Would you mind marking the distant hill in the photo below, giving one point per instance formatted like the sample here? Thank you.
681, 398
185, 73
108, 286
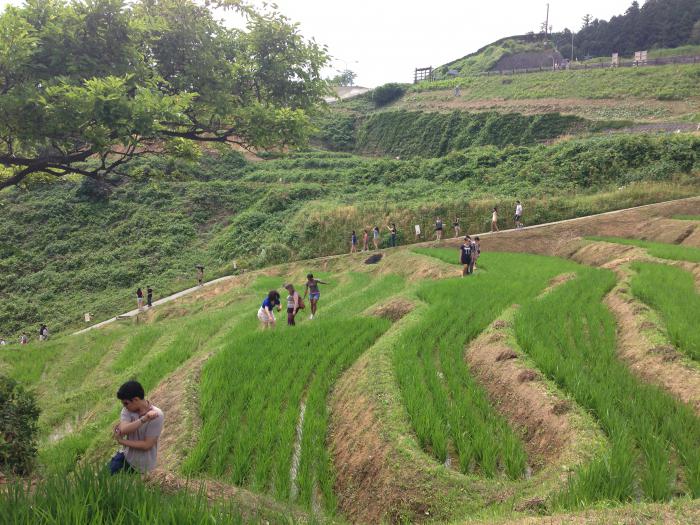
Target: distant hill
656, 24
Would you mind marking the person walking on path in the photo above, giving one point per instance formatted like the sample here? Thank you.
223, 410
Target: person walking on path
518, 215
477, 250
139, 299
353, 242
456, 226
293, 304
149, 297
24, 339
438, 228
473, 249
200, 274
43, 333
465, 255
139, 429
392, 231
314, 293
265, 313
494, 219
2, 342
365, 241
375, 237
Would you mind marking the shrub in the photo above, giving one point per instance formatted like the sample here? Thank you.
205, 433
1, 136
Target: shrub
387, 94
18, 427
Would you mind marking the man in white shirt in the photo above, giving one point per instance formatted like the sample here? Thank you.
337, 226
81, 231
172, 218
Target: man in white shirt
140, 426
518, 214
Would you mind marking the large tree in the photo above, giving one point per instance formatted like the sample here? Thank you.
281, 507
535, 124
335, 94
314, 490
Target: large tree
86, 85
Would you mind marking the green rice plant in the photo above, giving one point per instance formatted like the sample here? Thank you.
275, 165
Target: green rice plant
100, 499
249, 426
671, 292
137, 346
570, 336
686, 217
447, 407
192, 336
661, 250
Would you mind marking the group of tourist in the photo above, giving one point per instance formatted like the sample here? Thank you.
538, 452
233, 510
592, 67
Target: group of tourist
469, 253
24, 338
440, 227
295, 302
139, 297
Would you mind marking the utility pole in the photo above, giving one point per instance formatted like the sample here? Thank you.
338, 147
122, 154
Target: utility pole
572, 46
546, 23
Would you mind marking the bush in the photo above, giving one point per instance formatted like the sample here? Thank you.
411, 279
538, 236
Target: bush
18, 427
387, 94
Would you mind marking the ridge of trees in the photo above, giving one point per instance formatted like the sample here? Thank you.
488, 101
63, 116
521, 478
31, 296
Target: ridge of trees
656, 23
85, 86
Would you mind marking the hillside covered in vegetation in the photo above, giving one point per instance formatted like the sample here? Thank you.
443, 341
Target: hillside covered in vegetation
76, 247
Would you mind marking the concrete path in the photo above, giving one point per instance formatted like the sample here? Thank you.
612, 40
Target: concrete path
134, 313
183, 293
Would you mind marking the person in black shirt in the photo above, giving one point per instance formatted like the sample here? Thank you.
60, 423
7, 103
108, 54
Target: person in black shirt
149, 297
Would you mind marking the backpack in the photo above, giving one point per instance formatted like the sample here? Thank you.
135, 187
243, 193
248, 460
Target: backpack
301, 303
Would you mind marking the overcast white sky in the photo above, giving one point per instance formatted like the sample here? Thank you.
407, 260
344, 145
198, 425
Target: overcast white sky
384, 40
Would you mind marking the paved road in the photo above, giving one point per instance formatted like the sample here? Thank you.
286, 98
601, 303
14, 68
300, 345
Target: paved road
177, 295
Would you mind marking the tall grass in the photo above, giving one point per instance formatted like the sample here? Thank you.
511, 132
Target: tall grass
657, 249
671, 291
93, 498
571, 337
448, 409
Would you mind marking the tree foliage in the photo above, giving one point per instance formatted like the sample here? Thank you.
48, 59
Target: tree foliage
657, 23
86, 85
344, 78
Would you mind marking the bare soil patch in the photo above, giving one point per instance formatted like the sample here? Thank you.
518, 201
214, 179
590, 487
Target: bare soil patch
523, 399
176, 397
394, 309
658, 364
367, 485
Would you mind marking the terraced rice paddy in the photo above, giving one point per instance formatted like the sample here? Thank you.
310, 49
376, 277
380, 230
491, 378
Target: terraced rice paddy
260, 414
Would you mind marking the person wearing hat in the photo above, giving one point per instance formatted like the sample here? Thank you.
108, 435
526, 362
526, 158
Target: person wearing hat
293, 304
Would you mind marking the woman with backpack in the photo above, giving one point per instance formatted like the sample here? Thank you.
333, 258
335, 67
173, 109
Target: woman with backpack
265, 313
294, 304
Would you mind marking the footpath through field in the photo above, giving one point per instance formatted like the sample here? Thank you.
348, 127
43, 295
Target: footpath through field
188, 291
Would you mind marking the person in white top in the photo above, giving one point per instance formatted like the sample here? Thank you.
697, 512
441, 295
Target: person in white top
494, 219
518, 214
138, 431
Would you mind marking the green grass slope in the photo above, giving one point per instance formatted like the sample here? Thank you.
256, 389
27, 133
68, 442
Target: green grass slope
68, 249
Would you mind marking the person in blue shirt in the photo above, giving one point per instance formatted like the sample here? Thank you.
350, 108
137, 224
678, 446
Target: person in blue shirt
353, 242
265, 313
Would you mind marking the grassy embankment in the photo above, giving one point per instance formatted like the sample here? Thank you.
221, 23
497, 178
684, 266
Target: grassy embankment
671, 82
67, 250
